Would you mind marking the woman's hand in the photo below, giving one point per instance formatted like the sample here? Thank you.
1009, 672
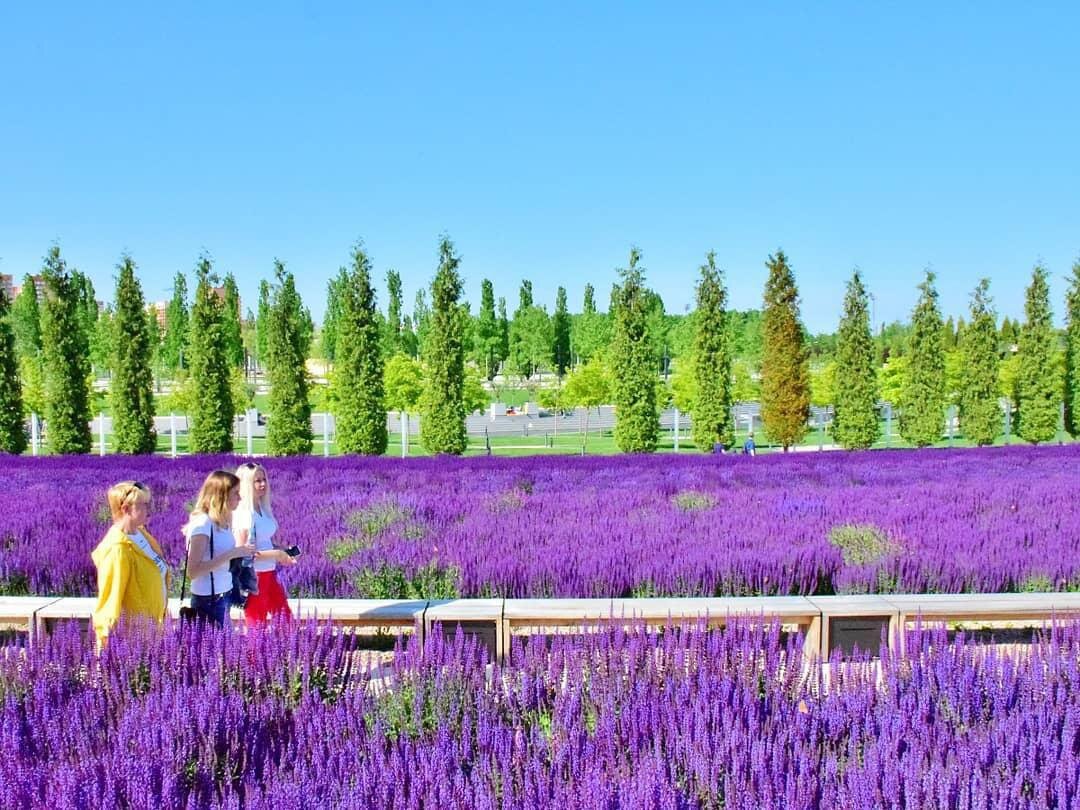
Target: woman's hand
245, 550
284, 558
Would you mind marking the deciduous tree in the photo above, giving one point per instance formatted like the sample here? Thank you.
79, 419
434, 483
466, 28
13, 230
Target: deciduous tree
785, 373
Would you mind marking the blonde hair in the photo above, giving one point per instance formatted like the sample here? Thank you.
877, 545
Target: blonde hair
127, 493
213, 499
246, 473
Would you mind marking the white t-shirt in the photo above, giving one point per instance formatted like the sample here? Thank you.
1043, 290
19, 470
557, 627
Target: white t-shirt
264, 528
223, 541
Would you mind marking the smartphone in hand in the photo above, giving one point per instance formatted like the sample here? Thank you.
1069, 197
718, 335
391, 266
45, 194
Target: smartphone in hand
293, 551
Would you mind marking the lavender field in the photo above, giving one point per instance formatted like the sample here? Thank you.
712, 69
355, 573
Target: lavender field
934, 520
678, 719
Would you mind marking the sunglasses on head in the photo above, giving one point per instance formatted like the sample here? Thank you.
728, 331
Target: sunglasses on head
251, 465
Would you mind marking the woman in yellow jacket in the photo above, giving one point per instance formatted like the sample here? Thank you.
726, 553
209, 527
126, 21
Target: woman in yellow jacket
133, 578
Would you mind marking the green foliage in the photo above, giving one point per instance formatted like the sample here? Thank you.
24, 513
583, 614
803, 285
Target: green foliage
560, 327
174, 345
922, 400
855, 394
691, 501
531, 336
102, 341
288, 431
488, 338
32, 375
442, 426
332, 320
212, 406
1038, 390
785, 373
1072, 354
684, 387
403, 383
473, 394
862, 544
633, 369
823, 384
712, 383
390, 581
421, 321
26, 320
66, 356
744, 386
132, 388
262, 323
12, 435
360, 402
591, 330
980, 413
231, 329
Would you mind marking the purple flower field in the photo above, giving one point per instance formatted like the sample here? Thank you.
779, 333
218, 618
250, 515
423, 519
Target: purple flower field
933, 520
682, 718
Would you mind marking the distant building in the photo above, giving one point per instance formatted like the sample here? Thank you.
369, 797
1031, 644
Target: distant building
8, 285
220, 293
39, 287
160, 308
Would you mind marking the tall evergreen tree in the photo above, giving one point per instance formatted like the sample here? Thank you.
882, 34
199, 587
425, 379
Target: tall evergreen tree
637, 425
26, 320
231, 327
392, 342
856, 422
86, 306
591, 331
504, 332
262, 324
12, 435
335, 293
1072, 353
288, 432
1038, 392
66, 354
358, 376
711, 412
588, 304
421, 319
174, 346
980, 413
922, 404
132, 389
785, 371
488, 335
212, 409
560, 324
442, 425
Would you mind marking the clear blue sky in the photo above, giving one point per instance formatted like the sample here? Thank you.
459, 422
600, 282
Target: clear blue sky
546, 139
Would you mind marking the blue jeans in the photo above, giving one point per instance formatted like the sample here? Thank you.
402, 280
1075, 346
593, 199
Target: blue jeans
213, 609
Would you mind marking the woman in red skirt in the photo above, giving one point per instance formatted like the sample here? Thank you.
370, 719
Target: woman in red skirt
254, 519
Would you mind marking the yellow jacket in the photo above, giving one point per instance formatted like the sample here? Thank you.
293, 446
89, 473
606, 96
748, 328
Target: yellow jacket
129, 583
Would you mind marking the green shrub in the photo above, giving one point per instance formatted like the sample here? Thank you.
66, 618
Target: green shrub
389, 581
690, 501
862, 544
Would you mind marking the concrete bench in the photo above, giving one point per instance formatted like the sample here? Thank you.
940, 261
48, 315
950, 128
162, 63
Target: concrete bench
527, 616
848, 622
482, 618
378, 613
19, 612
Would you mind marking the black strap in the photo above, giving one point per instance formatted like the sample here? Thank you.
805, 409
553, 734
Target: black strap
183, 581
213, 588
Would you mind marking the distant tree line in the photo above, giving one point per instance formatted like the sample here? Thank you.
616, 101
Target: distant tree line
444, 362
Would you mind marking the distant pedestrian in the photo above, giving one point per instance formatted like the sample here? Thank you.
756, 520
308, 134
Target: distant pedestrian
133, 578
749, 448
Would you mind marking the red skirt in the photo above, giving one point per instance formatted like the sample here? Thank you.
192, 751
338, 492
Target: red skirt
269, 601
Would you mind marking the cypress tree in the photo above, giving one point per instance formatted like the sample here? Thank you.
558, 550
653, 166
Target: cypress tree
174, 346
358, 375
231, 328
288, 432
1037, 389
488, 335
26, 320
133, 378
421, 319
856, 422
335, 291
12, 435
637, 417
392, 343
980, 412
1072, 354
212, 404
66, 355
504, 332
442, 425
785, 368
711, 412
560, 323
922, 402
262, 324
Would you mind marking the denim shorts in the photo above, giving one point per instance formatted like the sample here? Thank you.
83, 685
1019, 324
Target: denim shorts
213, 609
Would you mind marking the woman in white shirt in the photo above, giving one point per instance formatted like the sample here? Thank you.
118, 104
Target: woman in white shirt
211, 546
253, 521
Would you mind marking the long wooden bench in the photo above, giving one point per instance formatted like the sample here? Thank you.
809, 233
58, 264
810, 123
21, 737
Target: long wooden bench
19, 612
482, 618
854, 621
376, 613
